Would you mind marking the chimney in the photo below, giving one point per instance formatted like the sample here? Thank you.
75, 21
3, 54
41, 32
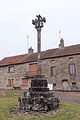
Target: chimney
30, 50
61, 45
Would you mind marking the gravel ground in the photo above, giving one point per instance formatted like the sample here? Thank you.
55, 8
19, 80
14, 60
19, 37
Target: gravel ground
68, 96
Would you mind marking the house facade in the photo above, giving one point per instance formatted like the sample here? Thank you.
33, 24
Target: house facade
61, 67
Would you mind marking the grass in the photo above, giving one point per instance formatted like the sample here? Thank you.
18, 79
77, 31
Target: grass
67, 110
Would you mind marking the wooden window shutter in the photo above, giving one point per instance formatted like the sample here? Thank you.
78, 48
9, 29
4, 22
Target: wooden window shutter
33, 69
24, 82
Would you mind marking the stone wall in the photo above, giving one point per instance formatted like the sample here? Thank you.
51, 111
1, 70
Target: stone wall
62, 72
61, 80
19, 72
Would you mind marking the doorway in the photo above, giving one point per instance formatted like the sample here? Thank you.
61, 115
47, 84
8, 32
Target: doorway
65, 85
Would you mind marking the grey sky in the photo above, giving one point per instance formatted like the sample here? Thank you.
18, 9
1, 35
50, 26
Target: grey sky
16, 22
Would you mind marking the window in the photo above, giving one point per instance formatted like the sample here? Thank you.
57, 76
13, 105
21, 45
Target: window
73, 84
11, 69
71, 58
72, 70
32, 69
53, 71
54, 86
10, 82
52, 61
24, 82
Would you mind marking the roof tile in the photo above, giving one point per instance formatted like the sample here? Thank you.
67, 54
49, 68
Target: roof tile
57, 52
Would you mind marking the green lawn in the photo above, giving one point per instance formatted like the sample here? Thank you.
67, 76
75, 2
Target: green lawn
67, 110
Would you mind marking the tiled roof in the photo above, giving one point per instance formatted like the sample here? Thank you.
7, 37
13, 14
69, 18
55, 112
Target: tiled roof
58, 52
51, 53
11, 60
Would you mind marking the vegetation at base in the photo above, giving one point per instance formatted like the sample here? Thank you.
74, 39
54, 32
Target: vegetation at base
67, 110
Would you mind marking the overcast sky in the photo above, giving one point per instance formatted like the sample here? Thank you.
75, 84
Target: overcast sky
16, 23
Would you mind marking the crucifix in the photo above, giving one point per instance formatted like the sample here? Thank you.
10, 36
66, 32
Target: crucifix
38, 22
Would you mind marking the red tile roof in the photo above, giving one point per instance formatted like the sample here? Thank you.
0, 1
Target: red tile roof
11, 60
51, 53
58, 52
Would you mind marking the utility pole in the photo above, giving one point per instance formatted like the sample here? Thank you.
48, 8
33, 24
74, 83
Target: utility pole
38, 22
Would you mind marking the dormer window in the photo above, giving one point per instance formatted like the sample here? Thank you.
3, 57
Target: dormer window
11, 69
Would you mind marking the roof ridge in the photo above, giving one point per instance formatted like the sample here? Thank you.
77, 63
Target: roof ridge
15, 55
55, 52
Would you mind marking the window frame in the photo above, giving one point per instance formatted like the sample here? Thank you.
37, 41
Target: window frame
10, 82
33, 67
72, 69
53, 61
23, 83
11, 69
53, 74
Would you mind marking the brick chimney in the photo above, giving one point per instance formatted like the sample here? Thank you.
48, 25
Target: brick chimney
61, 45
30, 50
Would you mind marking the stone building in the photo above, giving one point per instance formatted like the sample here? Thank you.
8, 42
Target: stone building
61, 66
